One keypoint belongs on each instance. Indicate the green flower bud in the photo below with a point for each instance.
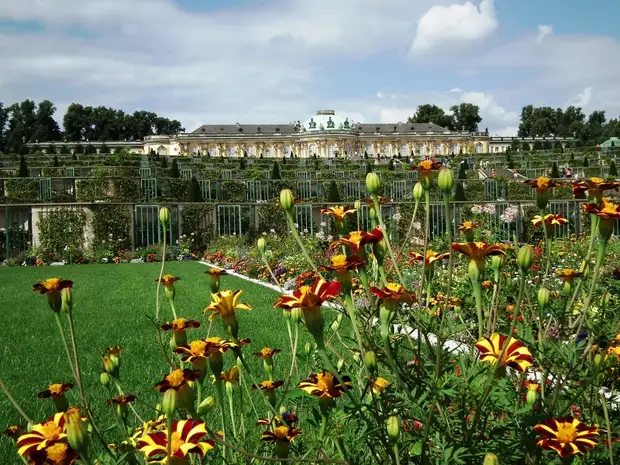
(105, 379)
(296, 314)
(169, 404)
(356, 357)
(308, 348)
(525, 257)
(336, 323)
(476, 270)
(393, 427)
(340, 364)
(164, 217)
(418, 191)
(357, 205)
(531, 396)
(445, 180)
(605, 299)
(491, 459)
(67, 299)
(543, 297)
(370, 361)
(186, 396)
(262, 245)
(372, 184)
(497, 262)
(77, 433)
(287, 200)
(598, 359)
(207, 405)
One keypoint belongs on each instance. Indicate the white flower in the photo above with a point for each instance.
(397, 217)
(417, 225)
(110, 235)
(323, 224)
(272, 231)
(264, 233)
(305, 231)
(330, 238)
(296, 226)
(177, 241)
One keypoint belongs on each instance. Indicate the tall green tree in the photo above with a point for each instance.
(46, 128)
(174, 169)
(194, 194)
(429, 113)
(4, 119)
(23, 168)
(466, 117)
(275, 171)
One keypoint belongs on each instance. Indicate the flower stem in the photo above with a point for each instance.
(353, 315)
(229, 394)
(161, 274)
(450, 251)
(304, 251)
(169, 438)
(547, 246)
(324, 419)
(63, 337)
(396, 454)
(375, 201)
(404, 243)
(14, 402)
(608, 425)
(220, 400)
(477, 288)
(597, 269)
(174, 310)
(427, 232)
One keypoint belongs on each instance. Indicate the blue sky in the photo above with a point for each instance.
(262, 61)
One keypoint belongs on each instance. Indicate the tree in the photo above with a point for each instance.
(333, 194)
(571, 159)
(612, 169)
(275, 171)
(368, 168)
(555, 173)
(429, 113)
(4, 119)
(50, 149)
(586, 163)
(194, 194)
(462, 173)
(163, 163)
(537, 145)
(283, 160)
(90, 149)
(242, 164)
(104, 149)
(56, 163)
(510, 164)
(459, 193)
(45, 126)
(466, 117)
(595, 127)
(23, 168)
(391, 165)
(174, 169)
(78, 149)
(63, 150)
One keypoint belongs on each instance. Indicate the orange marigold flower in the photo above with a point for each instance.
(168, 280)
(280, 433)
(216, 272)
(51, 285)
(116, 260)
(431, 257)
(550, 220)
(55, 390)
(113, 350)
(478, 250)
(177, 379)
(180, 324)
(468, 226)
(268, 385)
(338, 212)
(121, 400)
(486, 284)
(567, 436)
(13, 431)
(56, 454)
(341, 263)
(379, 385)
(286, 418)
(43, 435)
(325, 385)
(568, 274)
(230, 376)
(426, 166)
(266, 353)
(609, 210)
(225, 303)
(355, 240)
(309, 296)
(394, 293)
(188, 437)
(594, 186)
(516, 356)
(542, 184)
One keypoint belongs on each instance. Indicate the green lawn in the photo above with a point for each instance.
(110, 306)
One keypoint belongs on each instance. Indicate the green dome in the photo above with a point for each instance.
(327, 120)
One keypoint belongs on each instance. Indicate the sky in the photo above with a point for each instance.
(278, 61)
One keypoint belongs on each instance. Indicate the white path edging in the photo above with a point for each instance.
(450, 345)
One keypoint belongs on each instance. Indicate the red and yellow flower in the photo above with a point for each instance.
(214, 278)
(269, 389)
(549, 220)
(281, 436)
(468, 228)
(379, 386)
(477, 252)
(53, 288)
(57, 393)
(343, 263)
(178, 328)
(57, 454)
(542, 183)
(429, 260)
(393, 294)
(188, 437)
(609, 210)
(356, 240)
(121, 400)
(177, 379)
(516, 355)
(266, 353)
(43, 435)
(567, 436)
(568, 274)
(225, 304)
(13, 431)
(594, 186)
(325, 385)
(338, 212)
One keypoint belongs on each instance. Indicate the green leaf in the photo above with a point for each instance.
(416, 449)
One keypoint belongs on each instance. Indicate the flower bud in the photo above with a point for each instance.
(525, 257)
(445, 180)
(262, 245)
(372, 184)
(543, 297)
(296, 314)
(374, 220)
(532, 394)
(77, 434)
(207, 405)
(598, 359)
(370, 361)
(287, 200)
(169, 404)
(336, 323)
(340, 364)
(605, 299)
(286, 313)
(67, 299)
(357, 205)
(476, 270)
(393, 427)
(308, 348)
(491, 459)
(356, 357)
(105, 379)
(497, 262)
(418, 191)
(164, 217)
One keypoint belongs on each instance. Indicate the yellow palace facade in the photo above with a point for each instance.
(326, 135)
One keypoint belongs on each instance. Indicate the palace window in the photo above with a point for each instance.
(422, 150)
(314, 150)
(268, 152)
(455, 149)
(387, 150)
(232, 152)
(213, 152)
(478, 147)
(252, 151)
(369, 149)
(404, 150)
(331, 150)
(437, 149)
(287, 150)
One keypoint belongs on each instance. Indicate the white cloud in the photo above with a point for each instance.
(584, 97)
(544, 30)
(455, 25)
(456, 90)
(490, 110)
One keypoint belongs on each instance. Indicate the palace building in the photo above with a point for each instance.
(326, 135)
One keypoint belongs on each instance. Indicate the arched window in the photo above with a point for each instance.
(331, 150)
(232, 152)
(161, 150)
(268, 152)
(287, 150)
(368, 149)
(437, 149)
(387, 150)
(251, 151)
(213, 152)
(404, 150)
(455, 149)
(478, 147)
(314, 150)
(422, 150)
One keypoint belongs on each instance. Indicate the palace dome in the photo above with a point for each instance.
(327, 120)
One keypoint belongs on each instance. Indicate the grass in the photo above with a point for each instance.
(111, 304)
